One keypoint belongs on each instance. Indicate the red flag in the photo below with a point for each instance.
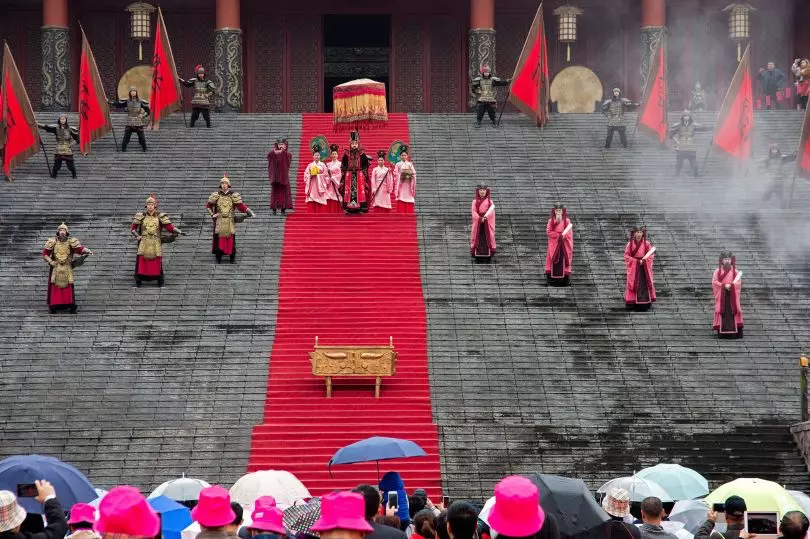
(165, 95)
(732, 133)
(652, 119)
(530, 90)
(19, 123)
(94, 111)
(803, 155)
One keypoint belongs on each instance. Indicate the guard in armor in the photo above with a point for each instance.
(774, 166)
(683, 134)
(484, 89)
(147, 227)
(355, 187)
(65, 135)
(221, 205)
(60, 254)
(698, 101)
(203, 93)
(137, 110)
(614, 108)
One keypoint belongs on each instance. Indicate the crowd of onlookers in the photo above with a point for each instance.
(369, 512)
(777, 92)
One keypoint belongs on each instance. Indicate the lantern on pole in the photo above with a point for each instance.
(567, 26)
(140, 14)
(739, 28)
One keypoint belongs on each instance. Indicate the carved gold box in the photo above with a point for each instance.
(354, 361)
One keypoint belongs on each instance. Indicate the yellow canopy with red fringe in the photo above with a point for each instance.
(359, 104)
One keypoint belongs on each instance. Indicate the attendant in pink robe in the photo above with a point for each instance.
(333, 181)
(482, 238)
(638, 260)
(382, 185)
(726, 285)
(560, 249)
(315, 183)
(405, 182)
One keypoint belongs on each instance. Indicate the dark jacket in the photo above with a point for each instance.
(57, 525)
(707, 530)
(381, 531)
(392, 482)
(618, 529)
(772, 81)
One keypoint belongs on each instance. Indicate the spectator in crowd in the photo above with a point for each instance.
(81, 521)
(441, 526)
(652, 513)
(772, 80)
(343, 517)
(616, 504)
(424, 523)
(735, 509)
(125, 512)
(267, 520)
(234, 526)
(371, 499)
(214, 514)
(392, 482)
(801, 70)
(12, 515)
(462, 520)
(517, 512)
(794, 525)
(385, 520)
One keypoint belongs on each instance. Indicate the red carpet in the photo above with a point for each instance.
(349, 280)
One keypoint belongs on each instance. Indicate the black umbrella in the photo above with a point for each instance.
(571, 503)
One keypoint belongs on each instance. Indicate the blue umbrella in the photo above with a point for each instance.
(174, 517)
(70, 484)
(376, 448)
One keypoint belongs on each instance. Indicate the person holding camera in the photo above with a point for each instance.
(735, 509)
(12, 515)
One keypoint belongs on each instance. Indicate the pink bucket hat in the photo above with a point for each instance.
(11, 514)
(268, 519)
(124, 510)
(343, 511)
(214, 508)
(617, 503)
(82, 512)
(517, 511)
(265, 501)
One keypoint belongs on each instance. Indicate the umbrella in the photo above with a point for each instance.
(759, 495)
(174, 517)
(681, 483)
(300, 518)
(100, 493)
(692, 513)
(280, 484)
(182, 489)
(637, 487)
(376, 448)
(802, 499)
(70, 484)
(571, 503)
(359, 104)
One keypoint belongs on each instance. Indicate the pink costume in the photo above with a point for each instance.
(405, 189)
(382, 183)
(560, 249)
(640, 291)
(482, 238)
(333, 183)
(315, 186)
(728, 318)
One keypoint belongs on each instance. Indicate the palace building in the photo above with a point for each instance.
(271, 56)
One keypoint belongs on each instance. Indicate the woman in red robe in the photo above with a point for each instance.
(278, 170)
(638, 259)
(147, 227)
(482, 239)
(560, 249)
(726, 285)
(59, 252)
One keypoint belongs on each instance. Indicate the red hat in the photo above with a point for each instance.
(343, 511)
(517, 511)
(485, 67)
(124, 510)
(82, 512)
(268, 518)
(213, 510)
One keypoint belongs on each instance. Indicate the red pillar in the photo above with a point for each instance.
(55, 13)
(653, 13)
(481, 40)
(653, 30)
(228, 65)
(482, 14)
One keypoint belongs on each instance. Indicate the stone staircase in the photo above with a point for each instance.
(530, 378)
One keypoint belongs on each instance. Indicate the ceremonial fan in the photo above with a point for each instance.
(321, 141)
(395, 149)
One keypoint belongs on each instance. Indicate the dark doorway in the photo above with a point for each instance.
(355, 47)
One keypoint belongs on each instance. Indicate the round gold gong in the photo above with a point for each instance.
(141, 78)
(576, 89)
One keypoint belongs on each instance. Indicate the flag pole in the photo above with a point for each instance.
(47, 161)
(503, 106)
(792, 187)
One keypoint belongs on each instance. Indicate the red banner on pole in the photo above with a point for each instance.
(530, 89)
(21, 139)
(652, 119)
(94, 111)
(165, 95)
(732, 132)
(803, 155)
